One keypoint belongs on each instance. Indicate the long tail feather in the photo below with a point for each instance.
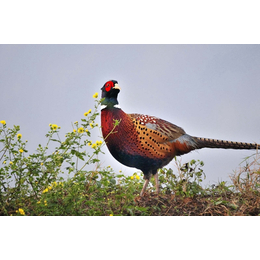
(214, 143)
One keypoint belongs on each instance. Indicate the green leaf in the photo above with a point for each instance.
(78, 154)
(141, 209)
(55, 140)
(113, 181)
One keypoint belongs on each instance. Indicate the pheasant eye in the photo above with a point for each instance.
(108, 86)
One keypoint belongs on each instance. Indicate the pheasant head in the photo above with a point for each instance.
(110, 91)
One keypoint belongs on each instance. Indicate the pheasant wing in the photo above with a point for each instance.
(164, 128)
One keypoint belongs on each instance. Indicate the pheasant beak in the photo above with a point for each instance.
(116, 87)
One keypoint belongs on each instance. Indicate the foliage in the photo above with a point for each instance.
(188, 180)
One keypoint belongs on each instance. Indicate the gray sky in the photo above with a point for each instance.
(209, 90)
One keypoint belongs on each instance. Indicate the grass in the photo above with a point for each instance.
(104, 193)
(34, 184)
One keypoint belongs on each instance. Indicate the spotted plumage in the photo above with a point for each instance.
(147, 142)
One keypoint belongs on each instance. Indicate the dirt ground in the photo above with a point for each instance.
(228, 205)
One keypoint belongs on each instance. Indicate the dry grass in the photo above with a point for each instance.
(230, 205)
(240, 199)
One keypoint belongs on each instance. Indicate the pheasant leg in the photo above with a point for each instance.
(144, 187)
(157, 183)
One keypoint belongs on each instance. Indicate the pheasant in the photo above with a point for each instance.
(146, 142)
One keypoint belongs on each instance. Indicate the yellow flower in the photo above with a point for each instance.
(54, 127)
(21, 150)
(86, 113)
(19, 136)
(91, 125)
(94, 145)
(45, 203)
(42, 164)
(86, 130)
(137, 177)
(46, 190)
(95, 95)
(4, 162)
(76, 122)
(98, 143)
(3, 122)
(111, 215)
(81, 130)
(11, 162)
(54, 184)
(21, 211)
(132, 177)
(50, 124)
(74, 130)
(38, 202)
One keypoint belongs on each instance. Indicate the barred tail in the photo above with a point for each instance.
(214, 143)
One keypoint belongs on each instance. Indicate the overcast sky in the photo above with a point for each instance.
(209, 90)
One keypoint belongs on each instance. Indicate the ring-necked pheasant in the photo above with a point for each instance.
(146, 142)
